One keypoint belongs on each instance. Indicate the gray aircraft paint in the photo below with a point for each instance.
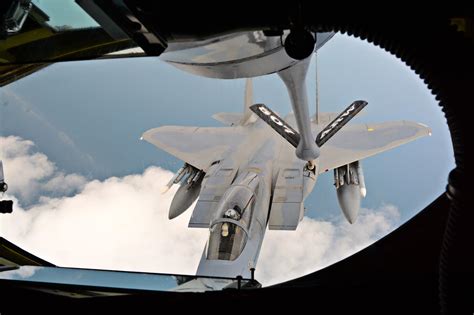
(240, 55)
(254, 147)
(250, 148)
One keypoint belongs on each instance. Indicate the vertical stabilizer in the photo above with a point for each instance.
(239, 119)
(248, 100)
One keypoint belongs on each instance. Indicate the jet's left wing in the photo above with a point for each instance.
(198, 146)
(356, 142)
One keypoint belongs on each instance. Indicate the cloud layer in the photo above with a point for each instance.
(316, 244)
(31, 174)
(122, 223)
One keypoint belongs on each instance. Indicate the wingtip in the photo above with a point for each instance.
(142, 137)
(147, 134)
(428, 129)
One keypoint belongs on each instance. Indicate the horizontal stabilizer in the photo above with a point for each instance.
(277, 123)
(343, 118)
(229, 119)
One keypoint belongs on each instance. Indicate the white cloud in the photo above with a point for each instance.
(316, 244)
(29, 174)
(62, 184)
(122, 223)
(22, 273)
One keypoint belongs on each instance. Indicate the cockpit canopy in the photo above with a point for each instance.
(230, 227)
(227, 240)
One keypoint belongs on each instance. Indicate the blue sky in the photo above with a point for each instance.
(88, 117)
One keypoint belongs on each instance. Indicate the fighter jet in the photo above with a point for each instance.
(247, 177)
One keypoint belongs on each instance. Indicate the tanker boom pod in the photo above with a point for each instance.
(188, 192)
(350, 186)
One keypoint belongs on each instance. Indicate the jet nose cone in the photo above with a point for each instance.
(349, 200)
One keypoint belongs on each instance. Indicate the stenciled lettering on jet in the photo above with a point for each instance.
(337, 121)
(275, 119)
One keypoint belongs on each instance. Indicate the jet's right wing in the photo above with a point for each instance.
(356, 142)
(198, 146)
